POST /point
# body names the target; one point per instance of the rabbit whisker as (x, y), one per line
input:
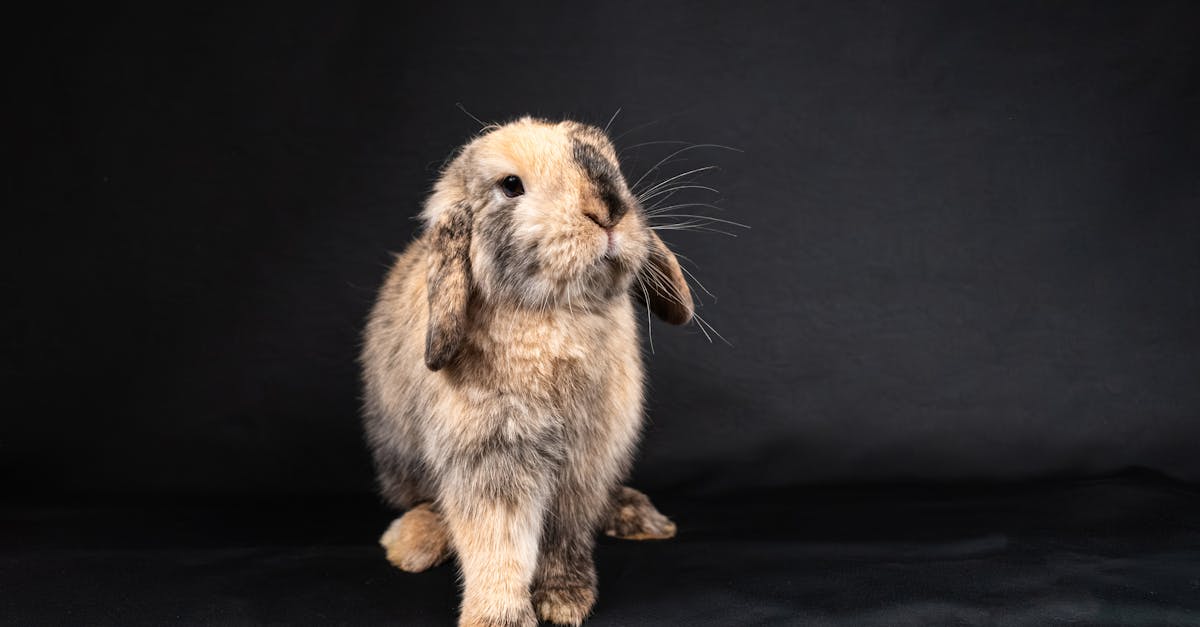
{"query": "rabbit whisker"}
(697, 282)
(691, 227)
(678, 152)
(610, 120)
(700, 217)
(636, 128)
(660, 184)
(704, 325)
(649, 327)
(656, 210)
(482, 124)
(655, 143)
(675, 189)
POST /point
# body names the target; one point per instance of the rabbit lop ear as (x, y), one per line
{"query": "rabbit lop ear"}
(664, 285)
(449, 278)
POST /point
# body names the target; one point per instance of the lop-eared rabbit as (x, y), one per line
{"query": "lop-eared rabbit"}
(503, 371)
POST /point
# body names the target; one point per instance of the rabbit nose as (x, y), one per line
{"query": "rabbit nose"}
(604, 224)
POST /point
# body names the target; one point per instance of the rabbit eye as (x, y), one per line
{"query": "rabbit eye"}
(511, 185)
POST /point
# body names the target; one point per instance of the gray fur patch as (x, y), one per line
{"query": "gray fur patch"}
(605, 176)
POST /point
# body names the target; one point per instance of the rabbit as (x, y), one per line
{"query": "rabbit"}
(502, 371)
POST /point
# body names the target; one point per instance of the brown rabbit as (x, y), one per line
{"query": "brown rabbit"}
(503, 371)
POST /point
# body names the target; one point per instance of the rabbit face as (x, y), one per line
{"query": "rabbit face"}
(554, 220)
(538, 214)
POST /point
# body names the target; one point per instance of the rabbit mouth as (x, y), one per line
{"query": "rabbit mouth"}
(613, 245)
(613, 250)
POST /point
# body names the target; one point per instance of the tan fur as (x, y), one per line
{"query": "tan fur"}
(503, 372)
(417, 541)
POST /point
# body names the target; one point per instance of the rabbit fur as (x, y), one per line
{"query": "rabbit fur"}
(503, 371)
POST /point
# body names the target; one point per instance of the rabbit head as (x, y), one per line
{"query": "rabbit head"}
(538, 214)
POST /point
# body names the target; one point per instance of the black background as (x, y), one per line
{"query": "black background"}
(974, 253)
(974, 259)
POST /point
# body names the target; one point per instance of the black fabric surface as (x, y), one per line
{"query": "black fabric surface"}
(1118, 551)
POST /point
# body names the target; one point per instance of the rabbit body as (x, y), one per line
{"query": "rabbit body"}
(496, 408)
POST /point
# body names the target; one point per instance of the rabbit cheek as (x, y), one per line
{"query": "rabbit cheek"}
(504, 260)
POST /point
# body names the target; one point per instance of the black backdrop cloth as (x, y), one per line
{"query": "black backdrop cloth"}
(974, 259)
(1115, 551)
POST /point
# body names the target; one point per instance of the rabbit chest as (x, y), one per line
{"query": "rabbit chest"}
(577, 374)
(554, 357)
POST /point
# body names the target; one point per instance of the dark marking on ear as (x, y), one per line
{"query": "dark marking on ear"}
(456, 225)
(605, 175)
(449, 278)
